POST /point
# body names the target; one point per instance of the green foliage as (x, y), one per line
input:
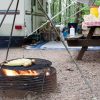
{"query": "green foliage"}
(86, 11)
(56, 7)
(97, 2)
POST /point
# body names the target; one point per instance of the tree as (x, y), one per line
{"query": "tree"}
(57, 5)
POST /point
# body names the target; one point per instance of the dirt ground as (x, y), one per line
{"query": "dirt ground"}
(71, 85)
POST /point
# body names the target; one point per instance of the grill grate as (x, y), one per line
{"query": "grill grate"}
(39, 64)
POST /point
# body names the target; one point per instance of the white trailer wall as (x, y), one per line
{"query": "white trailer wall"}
(22, 18)
(6, 27)
(28, 19)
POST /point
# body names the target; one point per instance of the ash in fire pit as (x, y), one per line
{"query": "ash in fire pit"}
(39, 77)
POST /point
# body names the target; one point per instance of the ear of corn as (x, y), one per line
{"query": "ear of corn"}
(19, 62)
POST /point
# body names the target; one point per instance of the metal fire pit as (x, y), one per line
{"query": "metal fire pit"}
(39, 83)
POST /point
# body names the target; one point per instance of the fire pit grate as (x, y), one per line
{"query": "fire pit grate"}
(39, 64)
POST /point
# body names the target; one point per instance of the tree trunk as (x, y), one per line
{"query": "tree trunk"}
(60, 10)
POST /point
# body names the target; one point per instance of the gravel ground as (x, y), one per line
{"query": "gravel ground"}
(71, 85)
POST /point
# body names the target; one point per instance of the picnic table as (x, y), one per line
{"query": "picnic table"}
(89, 40)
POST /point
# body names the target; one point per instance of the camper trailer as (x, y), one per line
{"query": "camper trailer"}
(29, 17)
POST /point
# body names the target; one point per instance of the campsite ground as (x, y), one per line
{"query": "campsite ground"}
(71, 85)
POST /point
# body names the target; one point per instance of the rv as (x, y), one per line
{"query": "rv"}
(29, 17)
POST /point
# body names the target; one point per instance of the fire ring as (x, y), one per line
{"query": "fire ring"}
(40, 79)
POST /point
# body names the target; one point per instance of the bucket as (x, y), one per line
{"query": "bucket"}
(94, 11)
